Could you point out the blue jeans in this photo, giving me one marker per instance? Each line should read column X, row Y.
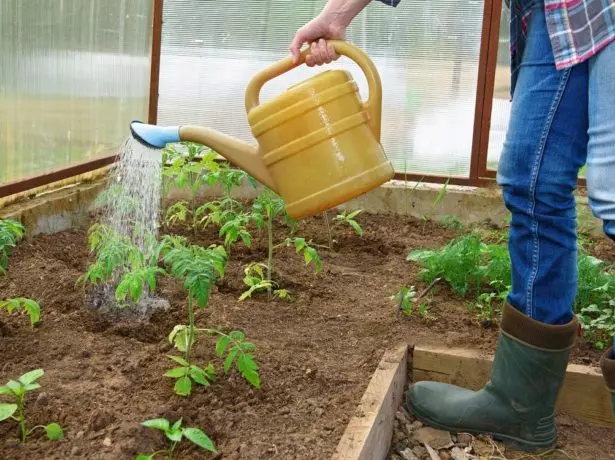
column 560, row 120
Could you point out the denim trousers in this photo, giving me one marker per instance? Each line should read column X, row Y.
column 560, row 121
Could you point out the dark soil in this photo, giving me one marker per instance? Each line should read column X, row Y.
column 317, row 353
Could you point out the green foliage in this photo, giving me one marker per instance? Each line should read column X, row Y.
column 427, row 217
column 310, row 254
column 118, row 261
column 17, row 391
column 483, row 271
column 200, row 268
column 175, row 434
column 406, row 299
column 349, row 219
column 238, row 352
column 11, row 232
column 31, row 307
column 255, row 280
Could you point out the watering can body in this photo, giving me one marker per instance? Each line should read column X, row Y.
column 318, row 143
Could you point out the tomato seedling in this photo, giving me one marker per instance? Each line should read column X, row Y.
column 32, row 308
column 11, row 232
column 18, row 390
column 175, row 434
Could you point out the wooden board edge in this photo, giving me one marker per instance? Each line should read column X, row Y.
column 368, row 434
column 583, row 396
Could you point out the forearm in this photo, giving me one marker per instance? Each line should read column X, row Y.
column 344, row 11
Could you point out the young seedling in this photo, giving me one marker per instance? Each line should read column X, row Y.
column 121, row 263
column 175, row 434
column 345, row 217
column 256, row 281
column 17, row 390
column 266, row 208
column 427, row 217
column 10, row 233
column 407, row 300
column 32, row 308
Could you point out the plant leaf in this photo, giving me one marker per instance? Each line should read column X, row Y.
column 177, row 425
column 158, row 423
column 32, row 387
column 183, row 386
column 222, row 344
column 7, row 410
column 199, row 438
column 180, row 360
column 31, row 377
column 54, row 431
column 228, row 362
column 144, row 457
column 176, row 372
column 199, row 376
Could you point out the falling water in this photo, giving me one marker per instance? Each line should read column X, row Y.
column 134, row 202
column 131, row 210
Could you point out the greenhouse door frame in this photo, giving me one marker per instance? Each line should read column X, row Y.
column 479, row 175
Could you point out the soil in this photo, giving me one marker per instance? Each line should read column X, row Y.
column 413, row 441
column 104, row 376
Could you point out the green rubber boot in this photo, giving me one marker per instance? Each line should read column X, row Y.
column 607, row 363
column 517, row 405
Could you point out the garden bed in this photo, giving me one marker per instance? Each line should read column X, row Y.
column 317, row 353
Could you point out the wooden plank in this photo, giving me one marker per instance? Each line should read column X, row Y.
column 584, row 394
column 368, row 434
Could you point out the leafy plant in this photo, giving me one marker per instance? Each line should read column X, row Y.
column 599, row 323
column 256, row 281
column 11, row 232
column 17, row 390
column 265, row 209
column 199, row 268
column 427, row 217
column 407, row 302
column 185, row 170
column 175, row 434
column 31, row 307
column 121, row 263
column 345, row 217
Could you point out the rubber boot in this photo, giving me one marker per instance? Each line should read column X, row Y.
column 517, row 405
column 607, row 363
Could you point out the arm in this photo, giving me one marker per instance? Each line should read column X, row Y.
column 330, row 24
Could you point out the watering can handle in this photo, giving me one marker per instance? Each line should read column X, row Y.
column 373, row 105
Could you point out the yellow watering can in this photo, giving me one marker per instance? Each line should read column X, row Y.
column 318, row 143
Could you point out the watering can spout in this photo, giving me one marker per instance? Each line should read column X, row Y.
column 239, row 153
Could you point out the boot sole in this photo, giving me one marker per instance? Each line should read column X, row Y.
column 511, row 441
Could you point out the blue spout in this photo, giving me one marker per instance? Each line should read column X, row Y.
column 154, row 136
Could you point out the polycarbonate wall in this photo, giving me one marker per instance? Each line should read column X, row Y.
column 73, row 73
column 427, row 52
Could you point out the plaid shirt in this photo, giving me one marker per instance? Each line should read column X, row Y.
column 578, row 29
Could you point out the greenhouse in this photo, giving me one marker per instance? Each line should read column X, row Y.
column 211, row 250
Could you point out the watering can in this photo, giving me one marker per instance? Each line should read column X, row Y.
column 318, row 144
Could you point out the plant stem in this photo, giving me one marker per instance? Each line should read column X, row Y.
column 190, row 327
column 329, row 230
column 22, row 419
column 269, row 252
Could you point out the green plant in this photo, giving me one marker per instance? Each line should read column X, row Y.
column 265, row 209
column 200, row 268
column 11, row 232
column 427, row 217
column 451, row 222
column 32, row 308
column 18, row 390
column 185, row 170
column 256, row 281
column 408, row 300
column 345, row 217
column 175, row 434
column 121, row 263
column 599, row 324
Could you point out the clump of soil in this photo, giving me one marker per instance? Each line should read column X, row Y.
column 104, row 376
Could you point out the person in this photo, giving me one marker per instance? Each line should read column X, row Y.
column 562, row 117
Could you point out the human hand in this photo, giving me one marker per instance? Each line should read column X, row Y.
column 316, row 33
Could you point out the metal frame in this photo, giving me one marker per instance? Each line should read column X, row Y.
column 479, row 175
